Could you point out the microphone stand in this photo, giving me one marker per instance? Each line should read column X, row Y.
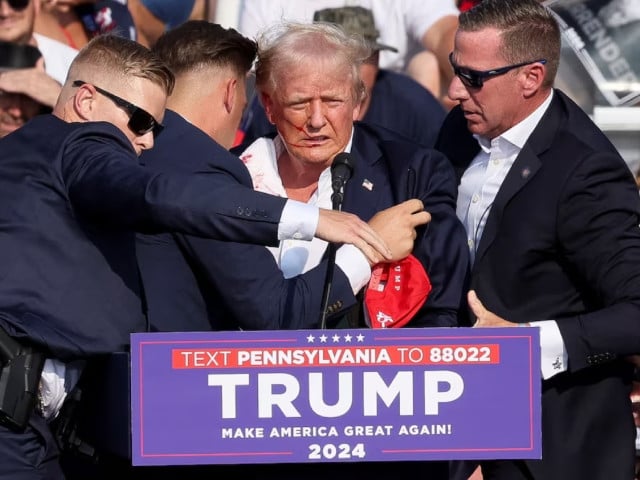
column 336, row 200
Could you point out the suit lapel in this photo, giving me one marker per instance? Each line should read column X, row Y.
column 522, row 171
column 369, row 179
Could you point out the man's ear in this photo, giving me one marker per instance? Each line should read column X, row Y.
column 356, row 109
column 84, row 102
column 267, row 103
column 230, row 94
column 534, row 78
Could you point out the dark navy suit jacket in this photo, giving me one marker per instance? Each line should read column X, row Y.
column 70, row 195
column 197, row 284
column 562, row 242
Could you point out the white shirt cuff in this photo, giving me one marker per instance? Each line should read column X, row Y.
column 354, row 265
column 553, row 354
column 299, row 221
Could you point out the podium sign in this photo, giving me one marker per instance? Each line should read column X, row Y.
column 335, row 396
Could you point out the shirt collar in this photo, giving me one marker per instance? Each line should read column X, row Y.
column 348, row 147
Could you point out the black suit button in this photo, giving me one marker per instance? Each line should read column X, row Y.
column 240, row 211
column 247, row 212
column 339, row 303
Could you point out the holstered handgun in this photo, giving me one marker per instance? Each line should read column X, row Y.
column 19, row 381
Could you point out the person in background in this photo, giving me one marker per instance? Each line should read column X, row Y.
column 392, row 100
column 59, row 20
column 75, row 22
column 17, row 18
column 22, row 97
column 421, row 32
column 551, row 212
column 153, row 17
column 34, row 86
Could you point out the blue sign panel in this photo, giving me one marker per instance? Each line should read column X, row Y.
column 335, row 395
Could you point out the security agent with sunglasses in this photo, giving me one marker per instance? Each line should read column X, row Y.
column 551, row 213
column 71, row 194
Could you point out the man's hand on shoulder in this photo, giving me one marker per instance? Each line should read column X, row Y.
column 397, row 226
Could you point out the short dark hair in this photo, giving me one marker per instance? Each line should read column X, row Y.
column 198, row 43
column 529, row 31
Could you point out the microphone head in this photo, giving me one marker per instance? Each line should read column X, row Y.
column 341, row 170
column 343, row 163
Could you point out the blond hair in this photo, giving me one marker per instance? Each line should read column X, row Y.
column 109, row 56
column 286, row 45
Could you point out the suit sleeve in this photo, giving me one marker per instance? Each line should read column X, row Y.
column 105, row 181
column 441, row 245
column 250, row 284
column 598, row 230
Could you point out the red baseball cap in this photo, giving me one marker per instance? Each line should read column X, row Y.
column 395, row 293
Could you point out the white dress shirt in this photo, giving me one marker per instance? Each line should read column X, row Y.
column 478, row 188
column 294, row 256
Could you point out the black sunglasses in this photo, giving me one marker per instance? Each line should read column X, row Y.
column 475, row 78
column 18, row 4
column 140, row 121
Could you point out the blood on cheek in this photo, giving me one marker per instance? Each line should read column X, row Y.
column 301, row 130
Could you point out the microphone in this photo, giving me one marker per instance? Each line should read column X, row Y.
column 341, row 171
